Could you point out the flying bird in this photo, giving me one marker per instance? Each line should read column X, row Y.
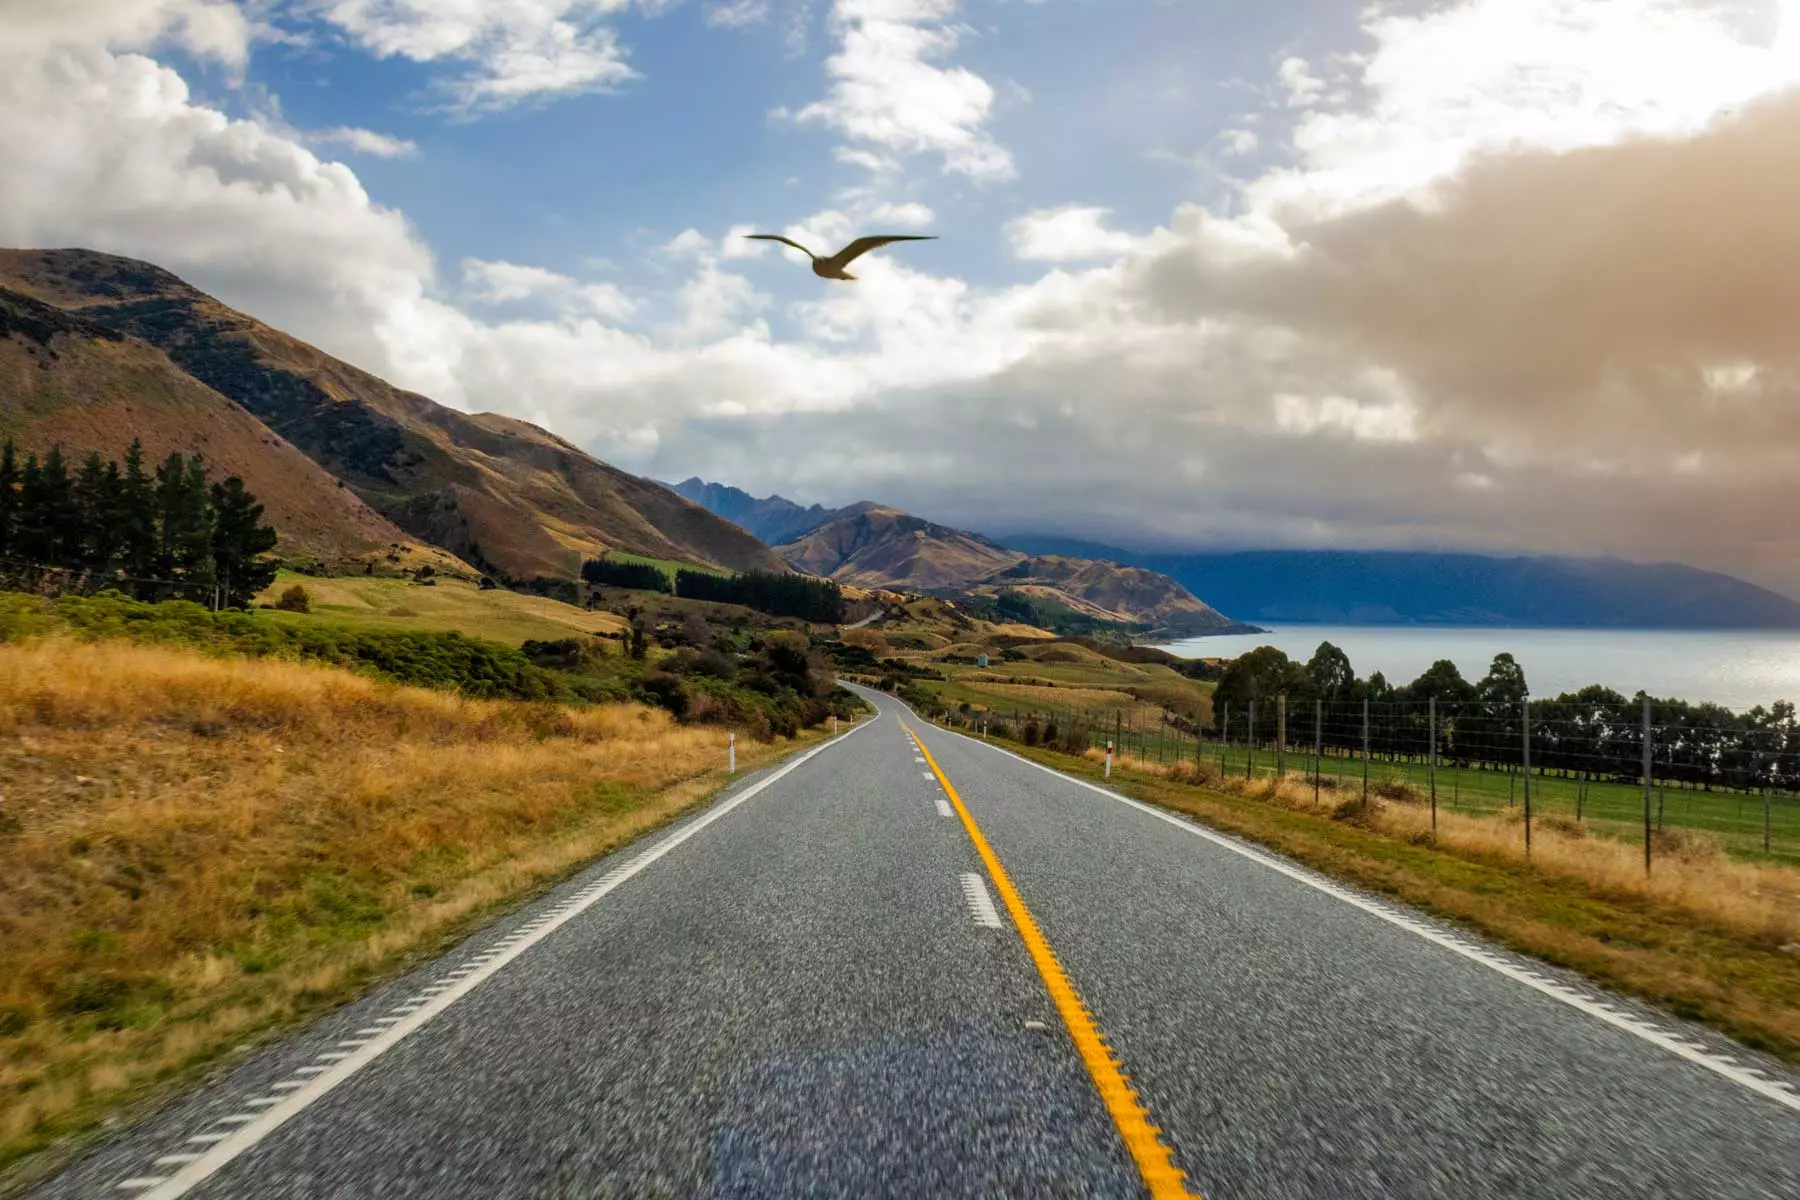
column 833, row 267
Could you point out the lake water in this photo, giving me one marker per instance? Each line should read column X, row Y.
column 1737, row 669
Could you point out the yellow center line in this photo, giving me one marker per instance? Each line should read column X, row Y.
column 1165, row 1180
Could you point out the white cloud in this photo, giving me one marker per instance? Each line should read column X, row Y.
column 909, row 215
column 1303, row 87
column 498, row 283
column 366, row 141
column 515, row 51
column 737, row 14
column 1238, row 142
column 214, row 29
column 888, row 92
column 1072, row 233
column 1425, row 331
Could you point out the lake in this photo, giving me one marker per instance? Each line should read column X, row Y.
column 1739, row 669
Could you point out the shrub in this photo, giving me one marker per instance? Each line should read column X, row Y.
column 295, row 599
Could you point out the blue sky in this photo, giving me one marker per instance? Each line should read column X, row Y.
column 1512, row 275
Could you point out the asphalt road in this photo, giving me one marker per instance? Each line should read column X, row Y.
column 821, row 986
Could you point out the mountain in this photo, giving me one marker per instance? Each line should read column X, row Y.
column 66, row 380
column 498, row 492
column 872, row 545
column 773, row 519
column 1354, row 587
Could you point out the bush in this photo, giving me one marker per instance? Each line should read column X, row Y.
column 295, row 599
column 664, row 691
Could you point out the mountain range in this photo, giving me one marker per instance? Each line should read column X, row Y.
column 876, row 546
column 1356, row 587
column 500, row 494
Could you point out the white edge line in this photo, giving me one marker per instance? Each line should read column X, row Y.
column 1631, row 1025
column 223, row 1152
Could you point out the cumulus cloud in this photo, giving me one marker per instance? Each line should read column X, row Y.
column 512, row 51
column 890, row 94
column 498, row 283
column 214, row 29
column 366, row 141
column 1523, row 286
column 1071, row 233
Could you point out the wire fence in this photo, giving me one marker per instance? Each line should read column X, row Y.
column 1631, row 770
column 44, row 579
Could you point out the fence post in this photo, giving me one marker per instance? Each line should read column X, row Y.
column 1365, row 715
column 1431, row 770
column 1280, row 736
column 731, row 752
column 1118, row 735
column 1525, row 765
column 1318, row 745
column 1250, row 745
column 1648, row 771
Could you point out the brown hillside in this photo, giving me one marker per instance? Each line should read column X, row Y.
column 1115, row 593
column 487, row 487
column 871, row 545
column 67, row 381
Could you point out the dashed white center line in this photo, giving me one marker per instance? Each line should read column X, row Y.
column 928, row 774
column 981, row 905
column 175, row 1160
column 141, row 1183
column 943, row 806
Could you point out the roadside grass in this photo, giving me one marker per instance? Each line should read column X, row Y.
column 1703, row 936
column 195, row 851
column 1606, row 809
column 498, row 614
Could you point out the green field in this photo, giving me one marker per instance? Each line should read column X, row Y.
column 1607, row 809
column 667, row 566
column 372, row 602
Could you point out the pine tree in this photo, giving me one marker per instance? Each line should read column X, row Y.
column 9, row 498
column 36, row 540
column 196, row 551
column 239, row 539
column 91, row 517
column 171, row 483
column 135, row 520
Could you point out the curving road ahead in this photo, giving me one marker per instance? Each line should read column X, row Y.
column 909, row 964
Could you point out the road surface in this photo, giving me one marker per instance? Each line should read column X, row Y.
column 923, row 968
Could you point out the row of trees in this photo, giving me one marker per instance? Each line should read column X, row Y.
column 818, row 600
column 153, row 534
column 1595, row 731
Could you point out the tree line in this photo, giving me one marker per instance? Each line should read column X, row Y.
column 1596, row 730
column 154, row 534
column 781, row 595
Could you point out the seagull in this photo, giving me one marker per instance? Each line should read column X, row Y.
column 833, row 267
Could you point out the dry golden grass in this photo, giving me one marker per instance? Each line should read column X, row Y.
column 192, row 849
column 1692, row 873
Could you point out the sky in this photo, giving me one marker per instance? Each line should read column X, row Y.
column 1501, row 275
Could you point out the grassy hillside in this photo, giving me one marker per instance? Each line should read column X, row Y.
column 196, row 848
column 70, row 381
column 497, row 613
column 494, row 490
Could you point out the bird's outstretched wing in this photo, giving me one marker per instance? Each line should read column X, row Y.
column 776, row 237
column 863, row 245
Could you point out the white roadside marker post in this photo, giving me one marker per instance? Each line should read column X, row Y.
column 732, row 751
column 1109, row 760
column 834, row 725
